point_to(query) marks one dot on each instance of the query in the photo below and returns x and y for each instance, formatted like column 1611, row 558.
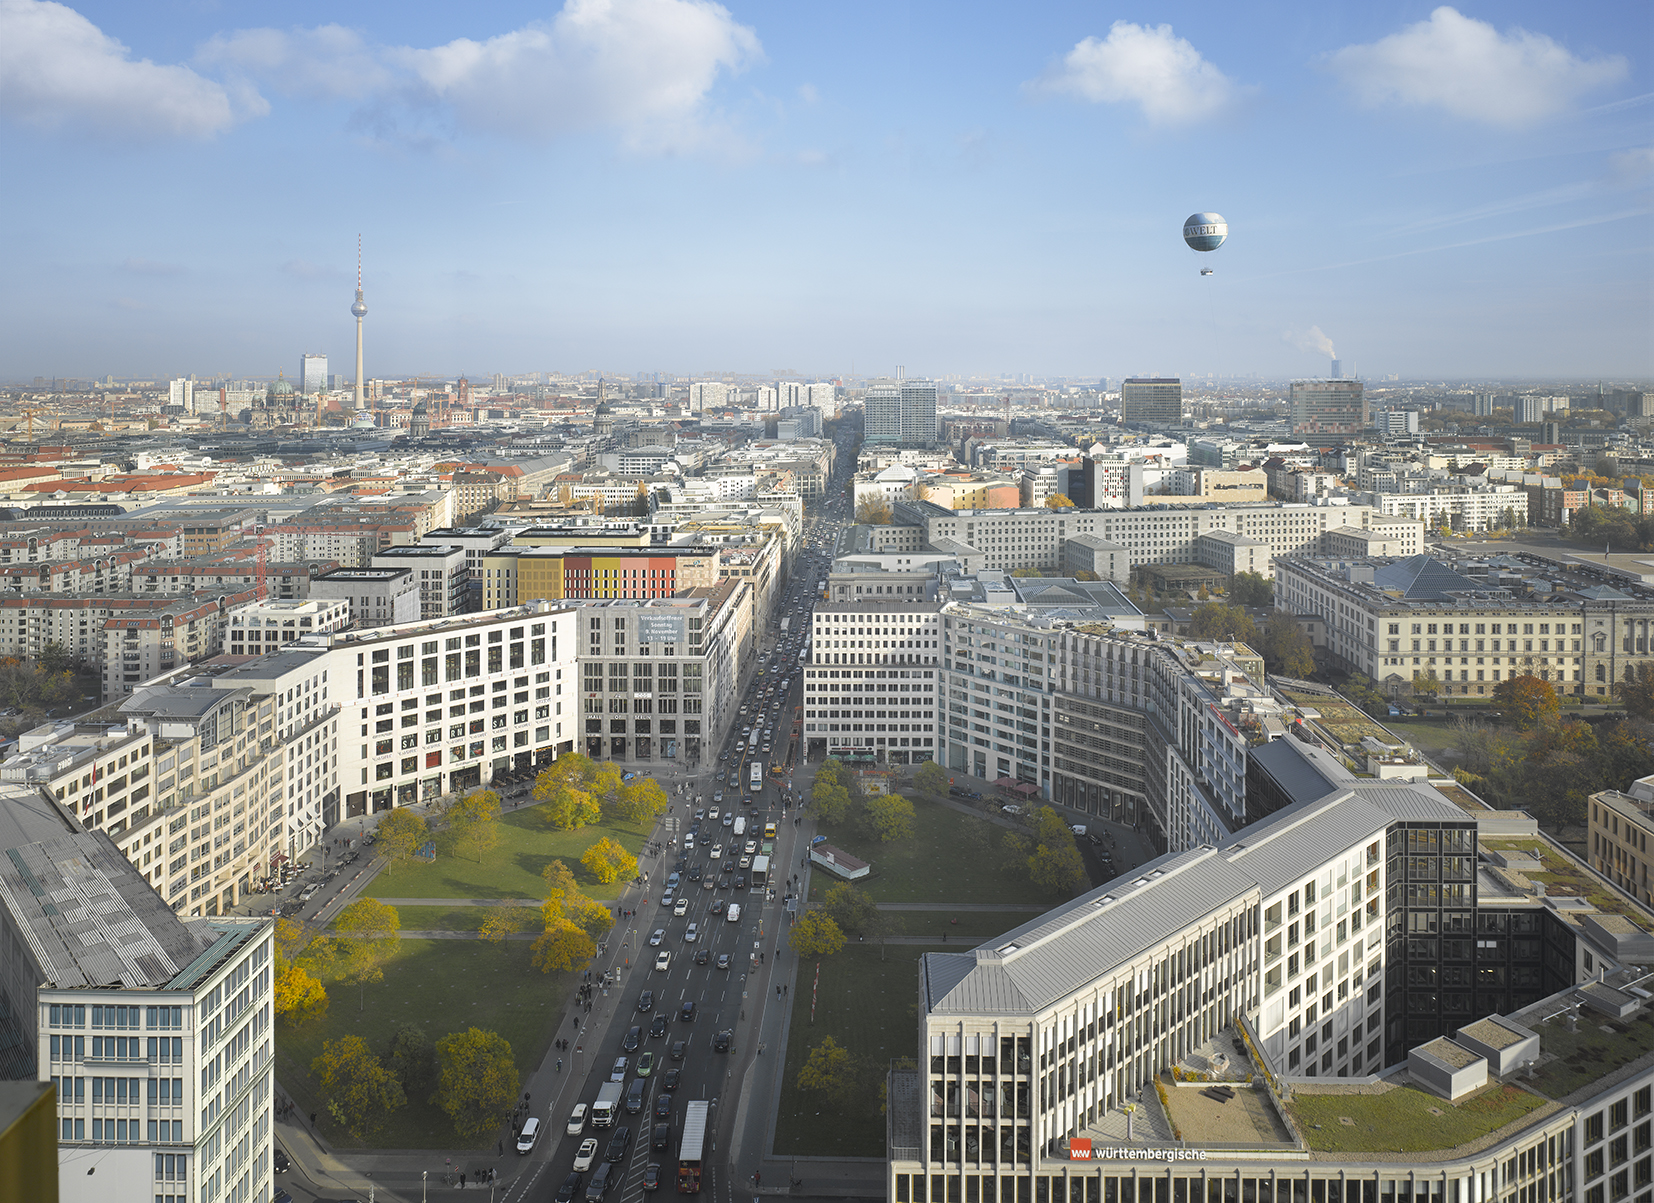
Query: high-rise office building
column 1482, row 405
column 182, row 392
column 1530, row 409
column 902, row 412
column 1151, row 399
column 1328, row 411
column 707, row 394
column 312, row 373
column 825, row 398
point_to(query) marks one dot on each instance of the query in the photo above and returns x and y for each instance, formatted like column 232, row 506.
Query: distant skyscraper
column 182, row 392
column 825, row 398
column 1529, row 409
column 707, row 394
column 313, row 374
column 359, row 310
column 1482, row 404
column 903, row 412
column 1328, row 411
column 1151, row 399
column 1337, row 369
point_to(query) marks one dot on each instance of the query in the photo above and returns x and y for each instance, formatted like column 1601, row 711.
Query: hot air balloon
column 1205, row 232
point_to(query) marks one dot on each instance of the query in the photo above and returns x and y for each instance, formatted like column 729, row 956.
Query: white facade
column 871, row 682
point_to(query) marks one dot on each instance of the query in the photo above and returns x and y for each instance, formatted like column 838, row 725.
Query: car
column 717, row 851
column 693, row 934
column 633, row 1038
column 723, row 882
column 570, row 1190
column 672, row 881
column 723, row 756
column 657, row 1028
column 729, row 819
column 667, row 897
column 707, row 884
column 717, row 796
column 702, row 955
column 663, row 1105
column 587, row 1154
column 681, row 907
column 713, row 813
column 663, row 960
column 750, row 847
column 618, row 1144
column 679, row 1047
column 717, row 906
column 686, row 1013
column 744, row 863
column 721, row 1042
column 740, row 881
column 280, row 1161
column 662, row 1136
column 617, row 1072
column 529, row 1134
column 723, row 963
column 656, row 937
column 646, row 1001
column 577, row 1120
column 645, row 1065
column 695, row 873
column 671, row 1079
column 651, row 1176
column 701, row 814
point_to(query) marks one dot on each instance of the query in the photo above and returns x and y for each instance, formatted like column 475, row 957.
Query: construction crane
column 29, row 414
column 258, row 538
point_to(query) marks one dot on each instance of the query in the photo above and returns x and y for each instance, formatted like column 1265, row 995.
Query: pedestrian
column 756, row 1176
column 312, row 1119
column 778, row 991
column 576, row 1023
column 462, row 1178
column 559, row 1065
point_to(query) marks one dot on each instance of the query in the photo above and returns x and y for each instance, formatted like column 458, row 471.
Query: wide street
column 691, row 993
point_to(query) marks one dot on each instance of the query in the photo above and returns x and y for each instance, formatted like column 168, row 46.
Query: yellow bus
column 769, row 831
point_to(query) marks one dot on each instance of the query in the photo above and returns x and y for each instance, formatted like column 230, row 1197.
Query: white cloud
column 1632, row 166
column 1148, row 66
column 643, row 66
column 58, row 71
column 328, row 60
column 1471, row 70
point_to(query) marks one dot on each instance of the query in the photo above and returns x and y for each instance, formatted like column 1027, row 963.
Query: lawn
column 1581, row 1057
column 444, row 986
column 867, row 1005
column 972, row 926
column 512, row 868
column 951, row 858
column 458, row 918
column 1404, row 1120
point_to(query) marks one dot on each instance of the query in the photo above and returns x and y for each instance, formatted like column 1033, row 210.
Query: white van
column 529, row 1134
column 733, row 914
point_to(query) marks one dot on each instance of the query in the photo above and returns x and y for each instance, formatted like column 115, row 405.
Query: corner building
column 870, row 687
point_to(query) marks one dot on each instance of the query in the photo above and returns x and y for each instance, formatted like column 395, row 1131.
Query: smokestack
column 1338, row 369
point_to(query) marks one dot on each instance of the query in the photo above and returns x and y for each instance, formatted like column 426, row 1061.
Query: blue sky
column 673, row 185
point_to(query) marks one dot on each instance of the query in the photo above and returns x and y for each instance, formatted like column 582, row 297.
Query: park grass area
column 1404, row 1120
column 458, row 918
column 867, row 1004
column 1437, row 739
column 443, row 986
column 511, row 869
column 951, row 858
column 973, row 926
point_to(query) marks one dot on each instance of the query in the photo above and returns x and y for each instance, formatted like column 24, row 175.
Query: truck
column 608, row 1102
column 786, row 623
column 741, row 827
column 690, row 1147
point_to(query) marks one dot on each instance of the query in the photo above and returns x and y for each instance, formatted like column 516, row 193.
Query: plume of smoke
column 1311, row 340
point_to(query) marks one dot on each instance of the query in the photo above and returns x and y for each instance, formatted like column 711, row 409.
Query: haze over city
column 685, row 187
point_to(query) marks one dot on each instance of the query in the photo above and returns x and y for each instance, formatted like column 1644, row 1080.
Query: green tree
column 360, row 1091
column 1427, row 682
column 475, row 822
column 368, row 934
column 1085, row 574
column 399, row 835
column 569, row 807
column 559, row 880
column 1218, row 620
column 299, row 997
column 1526, row 699
column 55, row 660
column 1059, row 868
column 476, row 1080
column 816, row 935
column 1252, row 589
column 889, row 816
column 832, row 803
column 505, row 922
column 413, row 1060
column 1637, row 691
column 829, row 1071
column 1287, row 651
column 874, row 511
column 849, row 907
column 606, row 860
column 1027, row 573
column 563, row 948
column 639, row 801
column 932, row 778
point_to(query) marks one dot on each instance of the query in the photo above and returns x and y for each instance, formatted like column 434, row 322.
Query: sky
column 959, row 187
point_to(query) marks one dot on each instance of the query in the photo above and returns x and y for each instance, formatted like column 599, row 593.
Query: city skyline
column 651, row 184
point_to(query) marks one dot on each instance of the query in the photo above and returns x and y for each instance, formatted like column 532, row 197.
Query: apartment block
column 373, row 597
column 443, row 573
column 871, row 683
column 265, row 626
column 140, row 642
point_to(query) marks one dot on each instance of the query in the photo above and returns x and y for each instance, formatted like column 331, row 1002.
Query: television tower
column 359, row 309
